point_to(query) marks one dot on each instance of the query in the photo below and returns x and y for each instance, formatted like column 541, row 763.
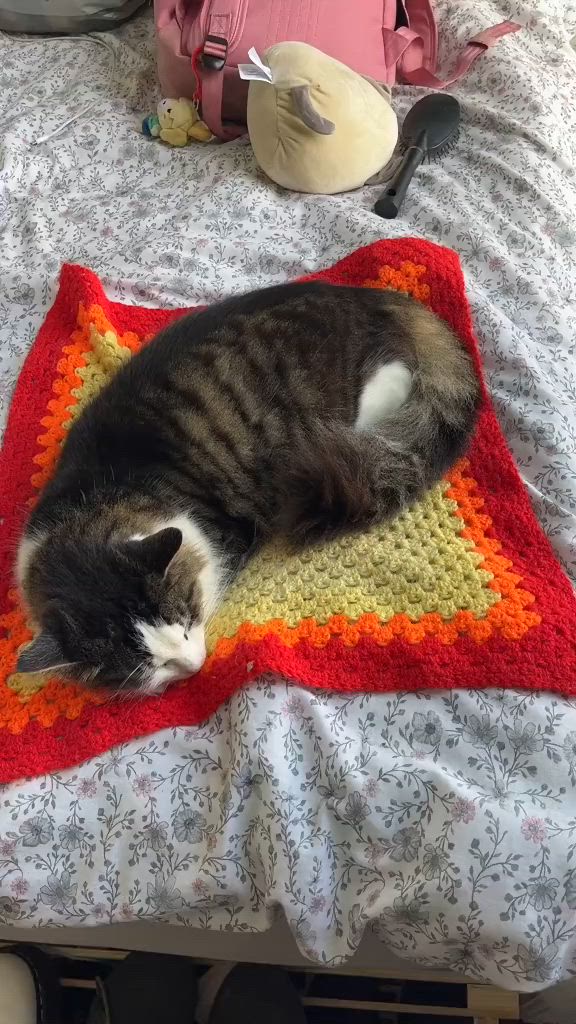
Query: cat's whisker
column 129, row 676
column 91, row 674
column 63, row 664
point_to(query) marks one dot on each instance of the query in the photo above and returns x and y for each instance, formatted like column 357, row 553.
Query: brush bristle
column 441, row 151
column 434, row 154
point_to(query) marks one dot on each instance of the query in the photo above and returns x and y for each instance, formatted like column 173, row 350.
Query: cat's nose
column 185, row 666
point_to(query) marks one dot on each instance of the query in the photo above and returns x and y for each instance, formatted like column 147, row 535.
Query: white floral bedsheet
column 448, row 821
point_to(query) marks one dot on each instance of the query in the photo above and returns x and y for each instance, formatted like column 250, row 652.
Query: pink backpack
column 201, row 43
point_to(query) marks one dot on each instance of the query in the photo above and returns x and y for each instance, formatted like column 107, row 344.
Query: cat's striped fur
column 308, row 410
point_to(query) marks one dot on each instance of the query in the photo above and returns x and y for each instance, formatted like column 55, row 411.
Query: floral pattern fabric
column 444, row 821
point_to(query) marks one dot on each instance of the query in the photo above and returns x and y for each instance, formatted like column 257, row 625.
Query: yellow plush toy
column 318, row 126
column 177, row 123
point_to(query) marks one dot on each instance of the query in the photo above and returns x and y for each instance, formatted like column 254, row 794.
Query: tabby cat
column 305, row 410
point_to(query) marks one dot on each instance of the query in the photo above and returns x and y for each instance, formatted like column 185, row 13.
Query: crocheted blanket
column 462, row 590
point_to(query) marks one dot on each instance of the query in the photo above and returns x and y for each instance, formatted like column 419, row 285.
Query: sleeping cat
column 304, row 410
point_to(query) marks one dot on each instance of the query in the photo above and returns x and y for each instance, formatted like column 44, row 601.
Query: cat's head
column 125, row 615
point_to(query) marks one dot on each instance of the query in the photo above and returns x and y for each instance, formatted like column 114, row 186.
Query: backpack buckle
column 215, row 52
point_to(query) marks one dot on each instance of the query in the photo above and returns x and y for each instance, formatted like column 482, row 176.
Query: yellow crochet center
column 415, row 565
column 105, row 359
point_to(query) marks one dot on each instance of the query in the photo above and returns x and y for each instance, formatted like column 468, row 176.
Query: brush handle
column 389, row 203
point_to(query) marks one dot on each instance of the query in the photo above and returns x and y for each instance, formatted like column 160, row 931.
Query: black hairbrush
column 430, row 128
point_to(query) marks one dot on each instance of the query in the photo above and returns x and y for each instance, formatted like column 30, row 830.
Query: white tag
column 256, row 59
column 252, row 73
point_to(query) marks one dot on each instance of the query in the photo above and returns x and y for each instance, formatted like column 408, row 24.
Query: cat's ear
column 43, row 654
column 154, row 553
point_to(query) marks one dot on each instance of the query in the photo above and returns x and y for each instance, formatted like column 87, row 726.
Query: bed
column 444, row 822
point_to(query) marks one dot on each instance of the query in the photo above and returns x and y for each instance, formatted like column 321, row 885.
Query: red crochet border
column 545, row 658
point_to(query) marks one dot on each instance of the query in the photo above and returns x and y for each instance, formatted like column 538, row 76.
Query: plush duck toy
column 317, row 126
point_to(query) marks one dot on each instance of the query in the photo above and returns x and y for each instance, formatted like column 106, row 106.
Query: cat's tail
column 343, row 479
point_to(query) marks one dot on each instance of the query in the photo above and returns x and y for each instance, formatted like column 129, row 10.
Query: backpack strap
column 421, row 75
column 410, row 45
column 212, row 85
column 209, row 68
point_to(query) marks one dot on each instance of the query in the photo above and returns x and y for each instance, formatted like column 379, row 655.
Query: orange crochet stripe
column 406, row 279
column 509, row 616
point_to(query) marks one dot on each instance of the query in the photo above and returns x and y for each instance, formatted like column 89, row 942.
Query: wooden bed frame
column 485, row 1003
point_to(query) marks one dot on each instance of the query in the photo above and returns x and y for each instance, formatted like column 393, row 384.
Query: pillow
column 64, row 17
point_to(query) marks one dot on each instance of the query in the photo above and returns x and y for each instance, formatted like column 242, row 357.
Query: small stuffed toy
column 177, row 123
column 318, row 126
